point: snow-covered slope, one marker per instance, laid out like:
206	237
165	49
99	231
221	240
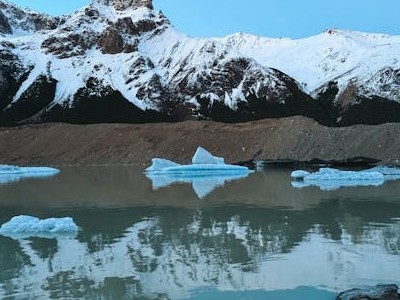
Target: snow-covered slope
121	61
335	55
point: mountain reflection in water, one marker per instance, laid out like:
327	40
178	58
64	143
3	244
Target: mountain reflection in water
257	238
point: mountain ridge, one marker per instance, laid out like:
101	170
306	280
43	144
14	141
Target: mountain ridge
122	61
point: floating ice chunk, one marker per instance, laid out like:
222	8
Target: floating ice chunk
10	173
202	156
8	169
205	174
202	170
204	164
331	179
334	174
27	226
158	164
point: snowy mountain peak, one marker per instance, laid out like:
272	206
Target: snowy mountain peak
16	21
122	61
124	4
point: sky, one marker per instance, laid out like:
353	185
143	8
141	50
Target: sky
270	18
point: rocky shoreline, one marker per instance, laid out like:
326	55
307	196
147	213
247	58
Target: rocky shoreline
283	141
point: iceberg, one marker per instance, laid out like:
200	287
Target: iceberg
206	172
9	173
203	164
332	179
28	226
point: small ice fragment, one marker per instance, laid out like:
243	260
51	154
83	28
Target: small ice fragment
10	173
9	169
32	226
202	156
334	174
330	179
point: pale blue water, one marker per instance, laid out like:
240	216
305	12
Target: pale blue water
253	238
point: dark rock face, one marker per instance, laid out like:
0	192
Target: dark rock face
364	111
124	4
350	107
43	23
11	75
33	101
265	102
101	104
380	292
111	42
5	27
70	44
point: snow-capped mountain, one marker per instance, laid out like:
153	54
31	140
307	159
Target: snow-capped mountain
122	61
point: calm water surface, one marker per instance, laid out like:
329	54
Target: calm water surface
251	238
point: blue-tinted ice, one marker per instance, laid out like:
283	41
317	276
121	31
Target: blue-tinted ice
331	179
206	172
10	173
28	226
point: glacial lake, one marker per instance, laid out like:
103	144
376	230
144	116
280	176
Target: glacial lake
251	238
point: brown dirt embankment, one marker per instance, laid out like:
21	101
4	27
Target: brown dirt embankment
295	138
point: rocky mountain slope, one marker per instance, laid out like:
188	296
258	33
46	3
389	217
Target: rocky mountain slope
122	61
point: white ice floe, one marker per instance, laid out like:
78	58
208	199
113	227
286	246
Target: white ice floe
331	179
9	173
206	172
28	226
203	164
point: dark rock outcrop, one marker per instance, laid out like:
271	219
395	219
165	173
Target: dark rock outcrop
111	41
12	73
101	104
351	107
5	27
124	4
263	101
33	101
69	44
380	292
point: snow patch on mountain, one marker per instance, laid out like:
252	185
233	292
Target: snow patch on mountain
335	55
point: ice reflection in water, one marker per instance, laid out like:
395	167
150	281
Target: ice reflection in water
202	185
257	238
